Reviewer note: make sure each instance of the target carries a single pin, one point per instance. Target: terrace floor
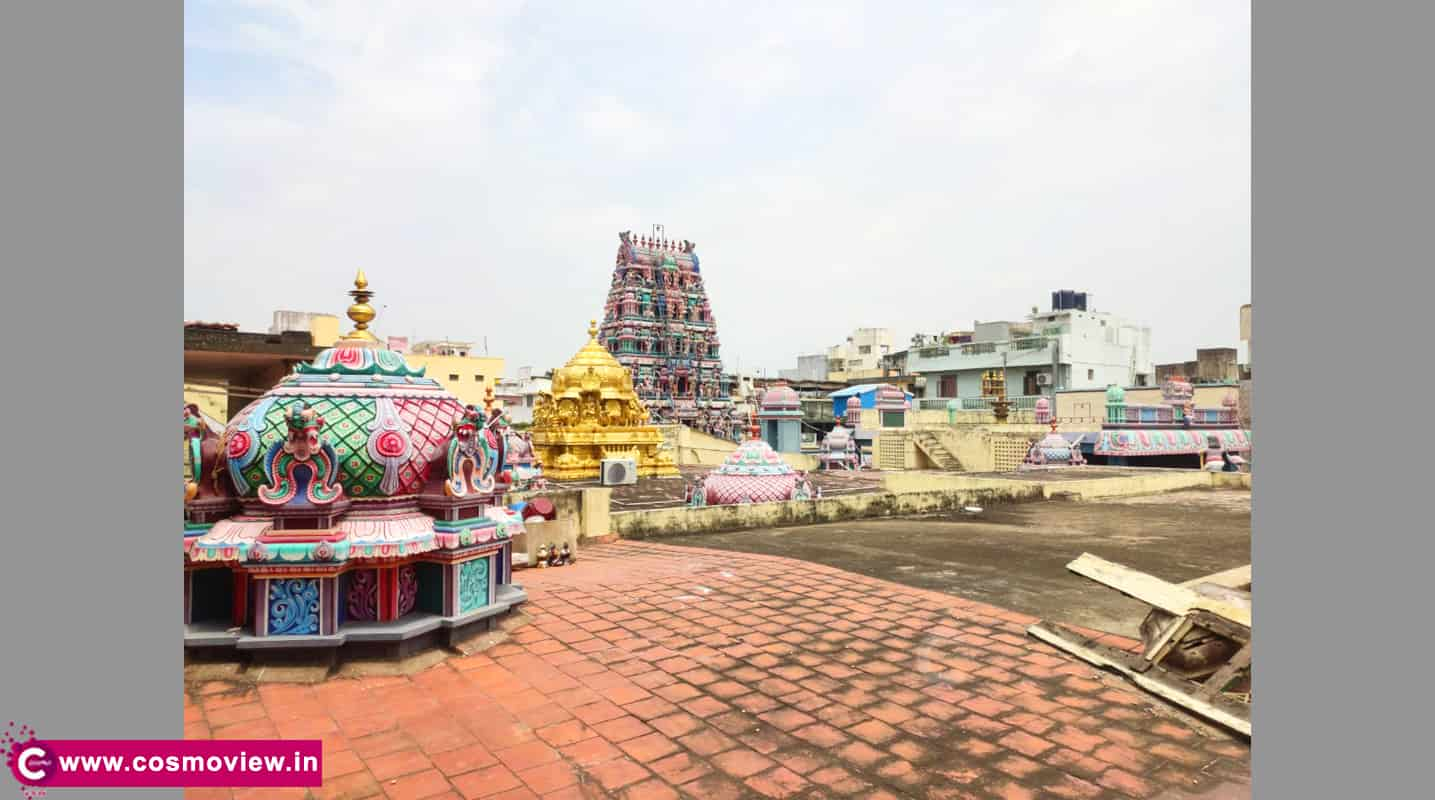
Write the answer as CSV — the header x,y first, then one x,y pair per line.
x,y
658,671
1015,556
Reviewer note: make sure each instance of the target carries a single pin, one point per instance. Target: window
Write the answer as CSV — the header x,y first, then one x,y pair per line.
x,y
478,378
1091,374
453,377
865,349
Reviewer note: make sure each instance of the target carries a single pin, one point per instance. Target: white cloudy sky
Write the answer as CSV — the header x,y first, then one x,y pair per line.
x,y
914,165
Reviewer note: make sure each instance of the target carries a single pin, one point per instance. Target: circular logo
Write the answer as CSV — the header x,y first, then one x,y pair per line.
x,y
34,764
238,444
391,444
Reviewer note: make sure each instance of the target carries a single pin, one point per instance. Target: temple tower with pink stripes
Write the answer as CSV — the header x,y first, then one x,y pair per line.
x,y
658,323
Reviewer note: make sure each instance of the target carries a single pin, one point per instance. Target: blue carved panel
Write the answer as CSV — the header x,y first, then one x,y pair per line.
x,y
294,607
472,585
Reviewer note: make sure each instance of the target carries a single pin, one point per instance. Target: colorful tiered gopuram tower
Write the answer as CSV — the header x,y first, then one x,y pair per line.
x,y
658,323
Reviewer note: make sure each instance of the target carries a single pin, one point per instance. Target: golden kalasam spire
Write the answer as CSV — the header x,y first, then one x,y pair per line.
x,y
361,312
592,329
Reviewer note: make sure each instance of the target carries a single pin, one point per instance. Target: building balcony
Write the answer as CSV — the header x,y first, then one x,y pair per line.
x,y
1031,351
1017,403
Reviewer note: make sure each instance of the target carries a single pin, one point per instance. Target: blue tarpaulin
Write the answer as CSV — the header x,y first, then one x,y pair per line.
x,y
866,391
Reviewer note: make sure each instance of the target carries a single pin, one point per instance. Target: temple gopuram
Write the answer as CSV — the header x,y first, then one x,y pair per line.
x,y
658,323
357,504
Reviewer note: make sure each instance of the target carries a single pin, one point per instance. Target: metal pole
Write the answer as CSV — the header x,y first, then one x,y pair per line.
x,y
1055,370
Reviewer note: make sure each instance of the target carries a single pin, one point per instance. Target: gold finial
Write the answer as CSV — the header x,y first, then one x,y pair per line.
x,y
361,312
592,329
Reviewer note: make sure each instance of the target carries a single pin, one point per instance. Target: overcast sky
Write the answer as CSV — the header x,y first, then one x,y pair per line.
x,y
909,165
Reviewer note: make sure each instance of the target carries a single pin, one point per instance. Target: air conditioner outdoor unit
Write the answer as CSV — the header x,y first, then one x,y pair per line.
x,y
1043,379
618,472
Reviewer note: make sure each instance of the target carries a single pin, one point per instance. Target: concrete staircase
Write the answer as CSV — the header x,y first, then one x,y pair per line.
x,y
931,445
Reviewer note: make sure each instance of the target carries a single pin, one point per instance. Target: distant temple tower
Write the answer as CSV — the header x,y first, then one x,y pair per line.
x,y
658,323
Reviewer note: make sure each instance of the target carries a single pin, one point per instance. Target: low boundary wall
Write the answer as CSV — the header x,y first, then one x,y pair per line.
x,y
906,493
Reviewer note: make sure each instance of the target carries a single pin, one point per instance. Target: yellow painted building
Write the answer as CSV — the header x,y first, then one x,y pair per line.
x,y
324,328
211,397
467,377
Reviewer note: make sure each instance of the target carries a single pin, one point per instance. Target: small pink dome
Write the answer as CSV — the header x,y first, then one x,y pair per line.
x,y
779,397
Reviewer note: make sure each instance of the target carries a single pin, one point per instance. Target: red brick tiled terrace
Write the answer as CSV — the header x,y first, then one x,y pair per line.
x,y
654,671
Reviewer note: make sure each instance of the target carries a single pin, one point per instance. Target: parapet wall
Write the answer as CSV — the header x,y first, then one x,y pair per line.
x,y
1134,483
909,493
588,511
716,519
691,447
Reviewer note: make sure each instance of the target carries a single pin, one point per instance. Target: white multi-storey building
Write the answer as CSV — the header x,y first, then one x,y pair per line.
x,y
1067,347
809,368
860,356
519,394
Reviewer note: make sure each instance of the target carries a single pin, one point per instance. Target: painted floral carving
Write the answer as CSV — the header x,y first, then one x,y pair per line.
x,y
294,607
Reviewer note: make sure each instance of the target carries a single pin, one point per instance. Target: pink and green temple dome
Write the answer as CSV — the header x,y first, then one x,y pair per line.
x,y
357,490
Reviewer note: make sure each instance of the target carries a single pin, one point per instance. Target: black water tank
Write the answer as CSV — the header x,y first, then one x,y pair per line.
x,y
1081,301
1056,301
1068,299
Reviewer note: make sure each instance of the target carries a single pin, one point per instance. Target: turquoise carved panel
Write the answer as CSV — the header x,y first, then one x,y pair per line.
x,y
472,585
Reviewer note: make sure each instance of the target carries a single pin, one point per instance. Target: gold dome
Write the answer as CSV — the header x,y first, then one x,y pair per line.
x,y
594,369
593,413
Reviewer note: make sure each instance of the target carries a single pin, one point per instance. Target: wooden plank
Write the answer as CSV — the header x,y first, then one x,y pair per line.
x,y
1236,578
1217,682
1221,626
1168,639
1156,682
1169,597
